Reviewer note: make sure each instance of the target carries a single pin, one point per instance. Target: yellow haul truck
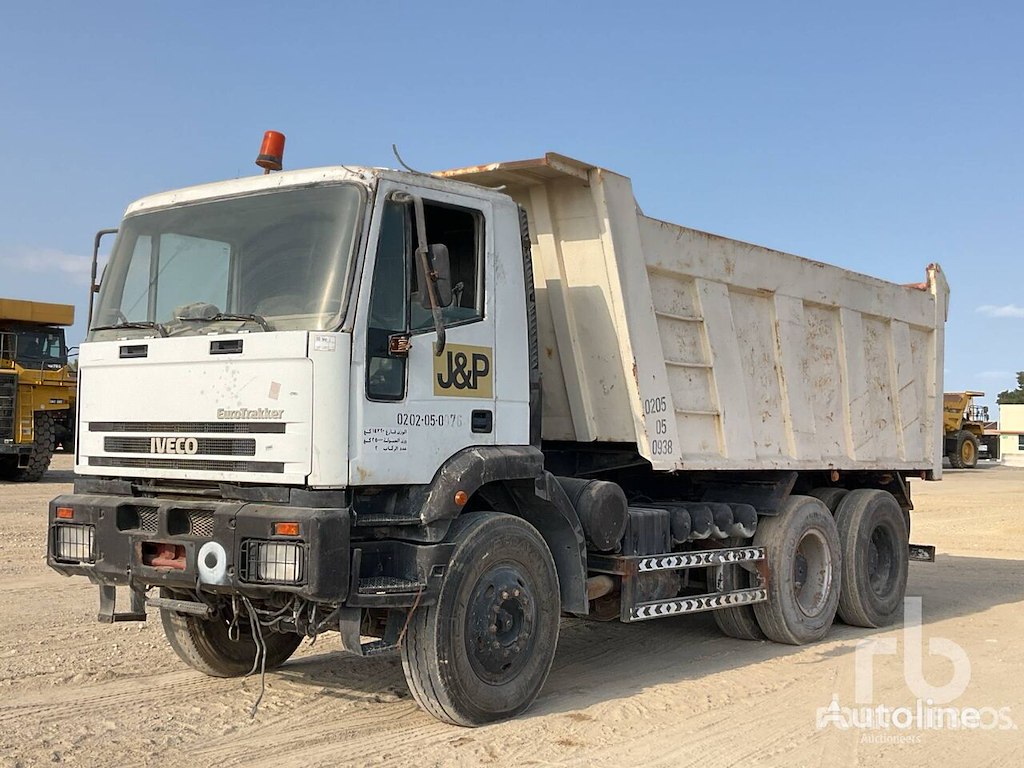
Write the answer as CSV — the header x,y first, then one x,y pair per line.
x,y
963,426
36,387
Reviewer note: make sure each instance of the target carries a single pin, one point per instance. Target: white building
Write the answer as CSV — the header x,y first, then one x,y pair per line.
x,y
1011,434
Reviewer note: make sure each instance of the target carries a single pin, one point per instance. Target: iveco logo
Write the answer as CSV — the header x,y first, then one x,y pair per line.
x,y
187,445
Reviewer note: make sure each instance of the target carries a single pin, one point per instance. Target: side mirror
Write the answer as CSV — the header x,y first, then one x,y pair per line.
x,y
440,275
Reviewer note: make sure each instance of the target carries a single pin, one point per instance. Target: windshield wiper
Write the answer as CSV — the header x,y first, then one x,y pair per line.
x,y
132,324
258,319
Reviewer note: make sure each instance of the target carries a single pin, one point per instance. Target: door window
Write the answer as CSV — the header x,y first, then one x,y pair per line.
x,y
461,229
385,374
396,302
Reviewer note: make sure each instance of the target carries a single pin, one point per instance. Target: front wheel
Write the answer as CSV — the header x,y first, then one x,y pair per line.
x,y
206,645
966,454
42,449
483,651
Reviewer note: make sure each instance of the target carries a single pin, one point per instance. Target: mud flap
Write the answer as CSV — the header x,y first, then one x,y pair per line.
x,y
922,553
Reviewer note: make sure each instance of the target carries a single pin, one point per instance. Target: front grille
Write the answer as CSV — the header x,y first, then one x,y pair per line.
x,y
211,446
8,392
190,522
200,524
138,517
237,427
210,465
145,518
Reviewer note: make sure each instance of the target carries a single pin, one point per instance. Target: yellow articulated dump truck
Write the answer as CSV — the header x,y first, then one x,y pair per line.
x,y
964,429
36,386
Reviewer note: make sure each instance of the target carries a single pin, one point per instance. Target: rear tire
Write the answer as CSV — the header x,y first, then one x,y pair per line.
x,y
829,496
875,543
966,454
740,621
804,560
42,450
483,651
204,644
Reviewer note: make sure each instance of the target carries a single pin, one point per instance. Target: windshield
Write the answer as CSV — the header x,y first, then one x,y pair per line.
x,y
282,257
39,349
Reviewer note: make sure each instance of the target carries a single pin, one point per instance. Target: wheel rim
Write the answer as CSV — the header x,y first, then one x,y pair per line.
x,y
500,624
882,560
812,573
967,452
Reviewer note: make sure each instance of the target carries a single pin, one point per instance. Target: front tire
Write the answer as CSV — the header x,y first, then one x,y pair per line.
x,y
483,651
204,644
43,445
803,552
875,542
966,454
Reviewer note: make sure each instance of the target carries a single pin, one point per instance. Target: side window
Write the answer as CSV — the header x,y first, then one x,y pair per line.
x,y
462,230
385,375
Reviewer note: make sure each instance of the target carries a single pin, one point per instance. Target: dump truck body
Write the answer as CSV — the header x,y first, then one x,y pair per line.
x,y
710,353
37,389
967,432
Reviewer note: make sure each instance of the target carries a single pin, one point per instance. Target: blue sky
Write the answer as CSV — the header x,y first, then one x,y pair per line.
x,y
876,136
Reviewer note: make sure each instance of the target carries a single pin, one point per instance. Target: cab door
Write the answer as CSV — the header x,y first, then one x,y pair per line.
x,y
411,408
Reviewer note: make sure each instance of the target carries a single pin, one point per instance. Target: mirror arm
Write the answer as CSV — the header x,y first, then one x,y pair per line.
x,y
93,286
423,254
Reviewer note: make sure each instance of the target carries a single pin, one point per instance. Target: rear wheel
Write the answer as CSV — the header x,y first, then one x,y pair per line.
x,y
483,651
804,560
739,621
829,496
206,645
875,543
966,454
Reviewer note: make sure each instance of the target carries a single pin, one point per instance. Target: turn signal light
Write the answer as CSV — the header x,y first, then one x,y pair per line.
x,y
65,513
286,529
461,497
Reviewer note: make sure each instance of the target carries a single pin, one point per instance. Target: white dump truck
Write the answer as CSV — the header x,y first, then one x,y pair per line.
x,y
438,412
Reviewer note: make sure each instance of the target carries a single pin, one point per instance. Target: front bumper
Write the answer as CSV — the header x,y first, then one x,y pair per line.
x,y
144,542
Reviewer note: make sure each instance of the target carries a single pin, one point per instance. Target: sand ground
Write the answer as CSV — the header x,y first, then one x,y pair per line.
x,y
664,693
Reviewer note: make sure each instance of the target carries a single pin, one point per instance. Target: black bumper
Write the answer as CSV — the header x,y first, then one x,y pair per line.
x,y
118,535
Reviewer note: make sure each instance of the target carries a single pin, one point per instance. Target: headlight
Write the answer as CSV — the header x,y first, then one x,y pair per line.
x,y
73,543
274,562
